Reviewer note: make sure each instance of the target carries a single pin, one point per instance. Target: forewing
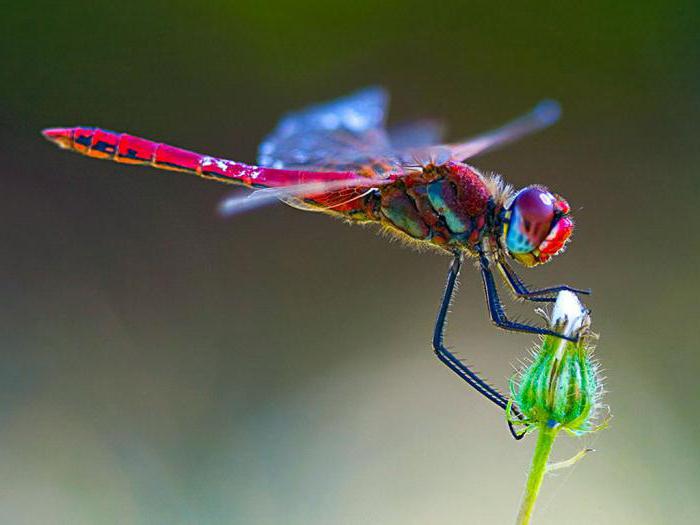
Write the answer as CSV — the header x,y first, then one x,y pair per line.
x,y
418,134
542,115
343,135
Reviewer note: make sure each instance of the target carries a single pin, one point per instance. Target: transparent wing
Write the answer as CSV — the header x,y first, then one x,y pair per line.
x,y
343,135
542,115
418,134
313,196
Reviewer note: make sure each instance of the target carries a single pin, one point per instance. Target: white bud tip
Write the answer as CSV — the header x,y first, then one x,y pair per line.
x,y
569,313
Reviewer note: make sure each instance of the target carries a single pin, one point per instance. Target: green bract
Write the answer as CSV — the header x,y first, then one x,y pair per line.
x,y
561,387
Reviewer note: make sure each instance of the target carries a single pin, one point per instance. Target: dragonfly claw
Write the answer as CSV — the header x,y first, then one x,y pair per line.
x,y
587,291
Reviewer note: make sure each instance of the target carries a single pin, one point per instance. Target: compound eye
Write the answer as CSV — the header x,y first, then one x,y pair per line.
x,y
532,214
536,206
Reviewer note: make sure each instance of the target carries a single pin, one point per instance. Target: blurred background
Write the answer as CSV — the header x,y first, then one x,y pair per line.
x,y
160,364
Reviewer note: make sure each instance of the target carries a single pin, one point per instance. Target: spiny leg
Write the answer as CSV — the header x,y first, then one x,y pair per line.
x,y
496,312
453,363
522,291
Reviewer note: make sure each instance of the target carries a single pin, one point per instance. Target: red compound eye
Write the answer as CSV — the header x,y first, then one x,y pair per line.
x,y
535,210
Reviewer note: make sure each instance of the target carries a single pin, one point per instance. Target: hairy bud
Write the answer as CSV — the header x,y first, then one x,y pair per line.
x,y
561,388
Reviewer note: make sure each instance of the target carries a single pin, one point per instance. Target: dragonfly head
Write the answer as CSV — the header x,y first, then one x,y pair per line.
x,y
537,225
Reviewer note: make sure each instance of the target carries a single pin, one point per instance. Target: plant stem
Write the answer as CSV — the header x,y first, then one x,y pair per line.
x,y
545,440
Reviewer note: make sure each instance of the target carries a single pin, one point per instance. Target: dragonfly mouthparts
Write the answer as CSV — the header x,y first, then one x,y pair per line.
x,y
59,136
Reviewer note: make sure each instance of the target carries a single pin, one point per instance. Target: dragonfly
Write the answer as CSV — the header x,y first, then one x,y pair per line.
x,y
340,158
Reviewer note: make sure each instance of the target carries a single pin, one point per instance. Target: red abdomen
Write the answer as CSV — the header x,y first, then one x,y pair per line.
x,y
128,149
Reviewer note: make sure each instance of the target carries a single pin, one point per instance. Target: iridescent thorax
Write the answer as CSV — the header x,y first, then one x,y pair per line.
x,y
450,206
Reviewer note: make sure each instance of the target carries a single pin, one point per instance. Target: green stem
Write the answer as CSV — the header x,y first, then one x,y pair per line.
x,y
545,440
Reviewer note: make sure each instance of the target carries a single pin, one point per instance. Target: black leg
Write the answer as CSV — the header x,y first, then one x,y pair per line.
x,y
521,290
517,436
498,315
451,361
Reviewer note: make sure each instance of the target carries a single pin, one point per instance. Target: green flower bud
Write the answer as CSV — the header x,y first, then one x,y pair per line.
x,y
561,388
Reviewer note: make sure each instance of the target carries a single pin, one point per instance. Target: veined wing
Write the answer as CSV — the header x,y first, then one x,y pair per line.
x,y
347,134
541,116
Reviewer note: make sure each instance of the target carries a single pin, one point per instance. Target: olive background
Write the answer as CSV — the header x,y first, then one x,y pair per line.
x,y
161,364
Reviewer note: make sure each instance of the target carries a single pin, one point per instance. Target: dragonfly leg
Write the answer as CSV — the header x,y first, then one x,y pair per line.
x,y
496,311
523,292
516,435
453,363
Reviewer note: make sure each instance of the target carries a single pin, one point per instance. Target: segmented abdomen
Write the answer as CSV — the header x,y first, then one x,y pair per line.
x,y
128,149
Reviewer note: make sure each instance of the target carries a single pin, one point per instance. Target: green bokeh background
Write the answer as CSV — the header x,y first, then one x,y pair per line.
x,y
160,364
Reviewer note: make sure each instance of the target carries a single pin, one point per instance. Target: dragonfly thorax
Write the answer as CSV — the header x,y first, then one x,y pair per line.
x,y
450,206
